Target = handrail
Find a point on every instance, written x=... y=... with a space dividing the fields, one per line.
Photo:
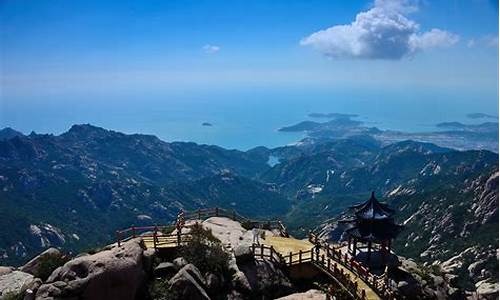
x=204 y=213
x=329 y=267
x=373 y=281
x=259 y=251
x=199 y=214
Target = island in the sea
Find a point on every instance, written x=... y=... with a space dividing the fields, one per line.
x=332 y=115
x=481 y=116
x=448 y=134
x=207 y=124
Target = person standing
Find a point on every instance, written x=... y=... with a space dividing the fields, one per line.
x=255 y=233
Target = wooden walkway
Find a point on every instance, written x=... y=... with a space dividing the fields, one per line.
x=282 y=249
x=289 y=247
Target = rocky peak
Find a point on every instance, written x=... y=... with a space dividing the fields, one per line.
x=8 y=133
x=84 y=131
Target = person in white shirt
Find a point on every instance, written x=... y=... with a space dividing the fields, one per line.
x=255 y=233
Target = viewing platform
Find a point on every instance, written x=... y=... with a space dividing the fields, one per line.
x=290 y=252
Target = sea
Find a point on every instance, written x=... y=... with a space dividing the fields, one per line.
x=241 y=118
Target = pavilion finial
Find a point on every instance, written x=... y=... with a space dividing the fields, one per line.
x=373 y=194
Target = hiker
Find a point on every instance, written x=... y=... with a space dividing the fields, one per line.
x=180 y=221
x=255 y=233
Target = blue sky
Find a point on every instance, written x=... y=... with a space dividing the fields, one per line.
x=56 y=53
x=69 y=46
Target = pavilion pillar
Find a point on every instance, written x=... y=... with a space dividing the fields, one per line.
x=368 y=258
x=354 y=247
x=384 y=252
x=349 y=244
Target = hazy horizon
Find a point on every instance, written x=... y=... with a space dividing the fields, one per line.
x=249 y=68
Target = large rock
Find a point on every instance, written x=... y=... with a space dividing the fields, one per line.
x=33 y=265
x=215 y=283
x=13 y=282
x=5 y=270
x=148 y=258
x=165 y=269
x=229 y=232
x=265 y=278
x=240 y=282
x=408 y=288
x=487 y=290
x=31 y=288
x=188 y=283
x=115 y=273
x=310 y=294
x=243 y=254
x=180 y=262
x=475 y=268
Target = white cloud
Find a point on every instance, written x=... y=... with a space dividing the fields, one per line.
x=210 y=49
x=471 y=43
x=383 y=32
x=490 y=41
x=433 y=39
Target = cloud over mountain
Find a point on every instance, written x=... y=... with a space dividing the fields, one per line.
x=383 y=32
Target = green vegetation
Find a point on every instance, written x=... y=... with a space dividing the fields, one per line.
x=205 y=251
x=332 y=292
x=48 y=263
x=13 y=296
x=159 y=290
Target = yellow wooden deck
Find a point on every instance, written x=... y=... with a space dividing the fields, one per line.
x=161 y=242
x=284 y=246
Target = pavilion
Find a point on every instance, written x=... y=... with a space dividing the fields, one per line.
x=372 y=224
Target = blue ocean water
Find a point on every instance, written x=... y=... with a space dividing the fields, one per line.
x=241 y=118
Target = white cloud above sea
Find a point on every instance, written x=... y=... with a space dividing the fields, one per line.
x=210 y=49
x=383 y=32
x=488 y=41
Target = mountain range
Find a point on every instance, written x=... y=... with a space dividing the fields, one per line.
x=75 y=189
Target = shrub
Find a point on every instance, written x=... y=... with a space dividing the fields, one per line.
x=48 y=263
x=167 y=229
x=13 y=296
x=332 y=292
x=159 y=290
x=205 y=251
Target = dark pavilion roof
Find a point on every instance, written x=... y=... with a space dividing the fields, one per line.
x=373 y=209
x=372 y=221
x=376 y=233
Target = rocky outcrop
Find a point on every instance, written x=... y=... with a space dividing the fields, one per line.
x=165 y=269
x=415 y=281
x=215 y=282
x=486 y=208
x=311 y=295
x=229 y=232
x=266 y=278
x=487 y=290
x=5 y=270
x=188 y=283
x=114 y=273
x=179 y=262
x=32 y=267
x=13 y=282
x=243 y=254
